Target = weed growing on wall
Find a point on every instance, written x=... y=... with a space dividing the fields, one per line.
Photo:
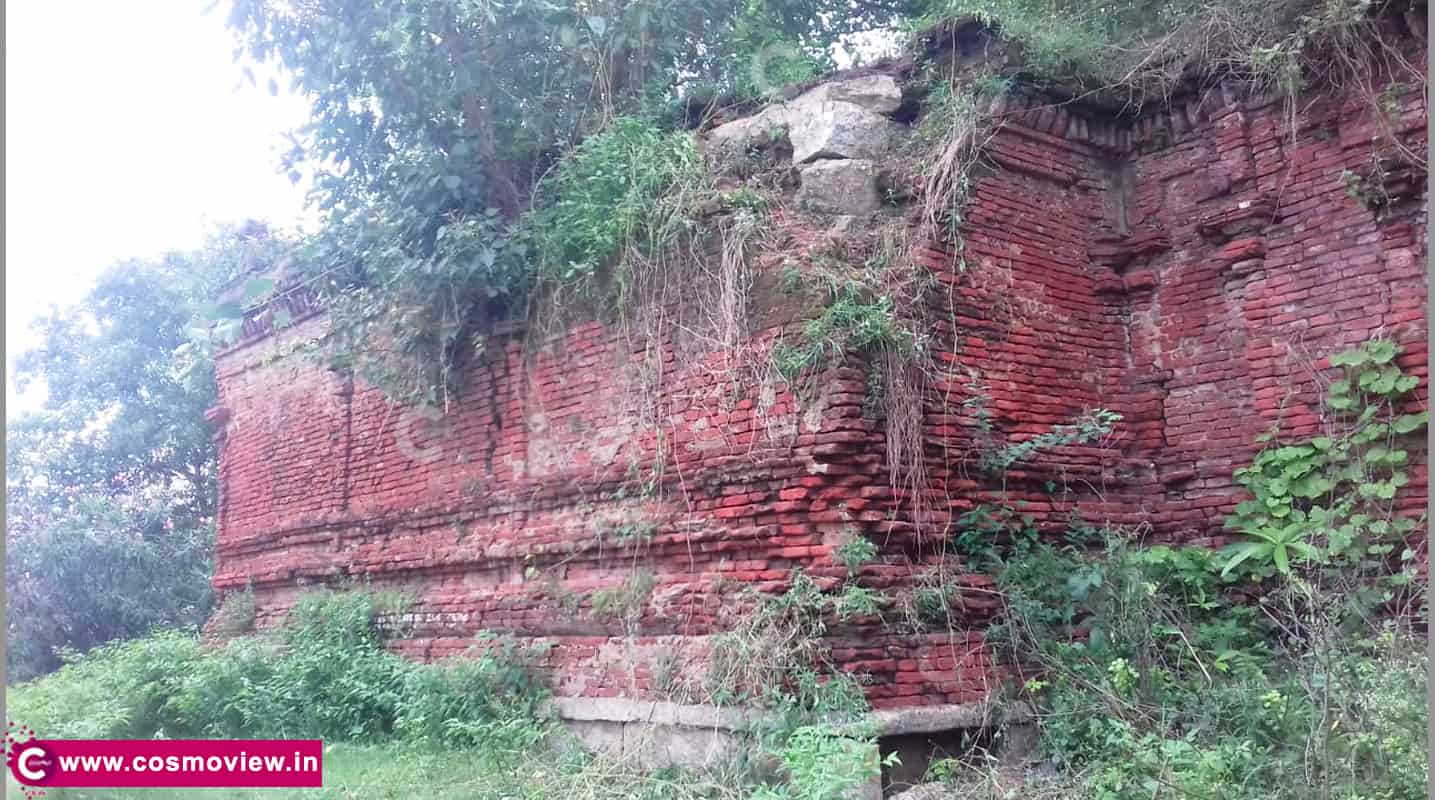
x=1285 y=666
x=1329 y=501
x=1088 y=428
x=629 y=186
x=1146 y=47
x=851 y=321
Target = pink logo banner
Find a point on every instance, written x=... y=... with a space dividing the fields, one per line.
x=164 y=763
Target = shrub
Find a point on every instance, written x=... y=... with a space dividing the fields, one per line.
x=852 y=321
x=103 y=570
x=622 y=187
x=120 y=691
x=325 y=674
x=1150 y=678
x=824 y=762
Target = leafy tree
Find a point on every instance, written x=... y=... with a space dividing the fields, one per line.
x=433 y=122
x=116 y=419
x=111 y=483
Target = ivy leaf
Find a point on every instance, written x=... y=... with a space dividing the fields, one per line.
x=1409 y=423
x=1350 y=358
x=1311 y=486
x=598 y=25
x=1386 y=383
x=1381 y=351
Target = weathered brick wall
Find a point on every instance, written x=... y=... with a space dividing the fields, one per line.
x=1189 y=269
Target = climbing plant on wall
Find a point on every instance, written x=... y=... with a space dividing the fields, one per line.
x=1328 y=502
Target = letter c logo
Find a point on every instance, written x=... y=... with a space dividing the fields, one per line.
x=29 y=754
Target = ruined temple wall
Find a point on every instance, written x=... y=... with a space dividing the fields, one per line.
x=1271 y=268
x=1189 y=272
x=516 y=516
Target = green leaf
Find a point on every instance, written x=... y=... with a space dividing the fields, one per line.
x=452 y=182
x=1381 y=351
x=282 y=318
x=1278 y=553
x=1239 y=553
x=1350 y=358
x=1311 y=486
x=1409 y=423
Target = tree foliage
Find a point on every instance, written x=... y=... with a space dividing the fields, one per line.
x=111 y=482
x=433 y=126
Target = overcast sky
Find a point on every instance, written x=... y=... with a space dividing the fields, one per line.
x=129 y=131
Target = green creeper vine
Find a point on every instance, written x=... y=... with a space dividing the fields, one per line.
x=1329 y=501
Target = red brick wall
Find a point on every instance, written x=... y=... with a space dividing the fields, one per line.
x=1190 y=269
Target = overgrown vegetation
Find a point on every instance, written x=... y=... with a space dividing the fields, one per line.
x=476 y=163
x=110 y=481
x=1288 y=665
x=1147 y=47
x=450 y=199
x=851 y=321
x=324 y=673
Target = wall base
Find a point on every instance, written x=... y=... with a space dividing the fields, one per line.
x=656 y=734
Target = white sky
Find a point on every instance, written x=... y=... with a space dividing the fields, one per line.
x=130 y=131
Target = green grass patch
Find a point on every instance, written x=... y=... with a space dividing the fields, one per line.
x=399 y=771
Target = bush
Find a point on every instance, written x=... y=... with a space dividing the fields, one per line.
x=102 y=570
x=622 y=187
x=325 y=674
x=120 y=691
x=1150 y=676
x=824 y=762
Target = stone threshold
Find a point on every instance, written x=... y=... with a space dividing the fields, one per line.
x=885 y=722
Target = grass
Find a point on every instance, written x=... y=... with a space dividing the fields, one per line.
x=370 y=772
x=402 y=771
